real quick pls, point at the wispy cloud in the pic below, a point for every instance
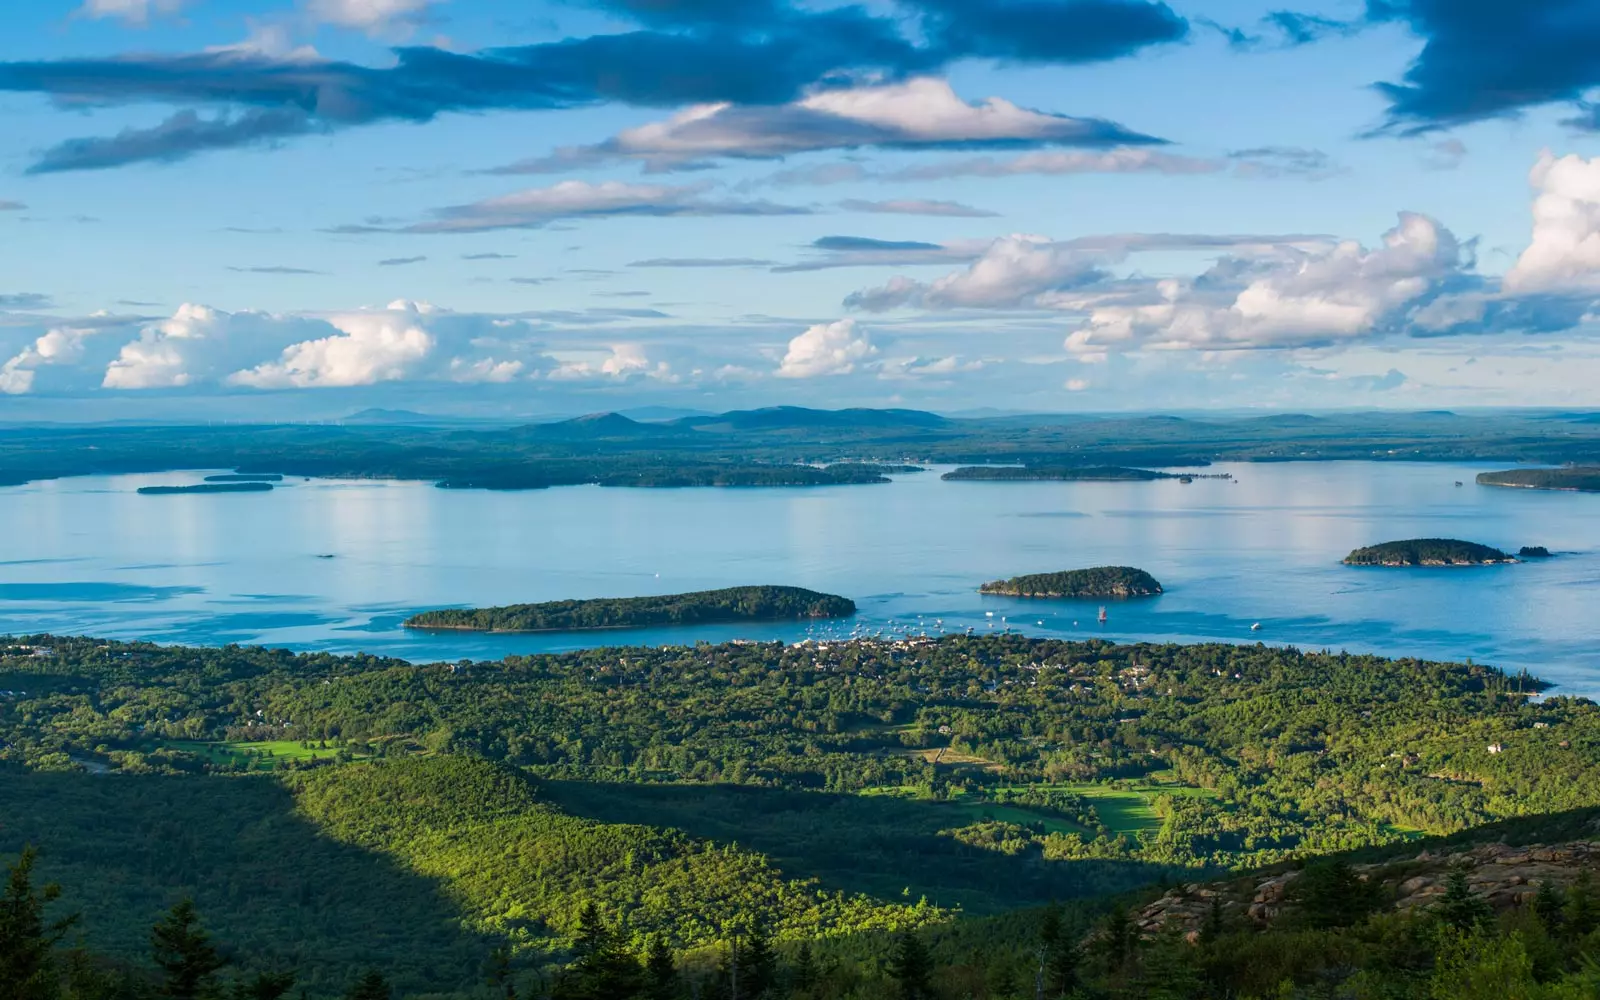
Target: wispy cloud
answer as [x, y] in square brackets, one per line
[923, 113]
[709, 262]
[400, 261]
[538, 207]
[136, 12]
[25, 300]
[916, 206]
[273, 269]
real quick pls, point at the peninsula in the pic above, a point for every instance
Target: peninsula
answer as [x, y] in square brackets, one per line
[709, 607]
[1428, 552]
[1098, 582]
[1584, 479]
[229, 487]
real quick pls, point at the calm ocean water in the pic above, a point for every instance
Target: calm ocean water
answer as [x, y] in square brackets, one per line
[90, 556]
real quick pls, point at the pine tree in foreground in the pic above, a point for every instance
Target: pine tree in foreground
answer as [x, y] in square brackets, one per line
[183, 952]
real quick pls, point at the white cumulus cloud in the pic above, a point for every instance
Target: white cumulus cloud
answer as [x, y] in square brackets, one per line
[1564, 253]
[369, 347]
[826, 349]
[61, 346]
[1344, 293]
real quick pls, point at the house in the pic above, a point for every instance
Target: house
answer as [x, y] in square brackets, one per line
[1495, 748]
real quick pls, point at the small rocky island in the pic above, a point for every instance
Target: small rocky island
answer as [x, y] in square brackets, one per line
[1098, 583]
[228, 487]
[1428, 552]
[1583, 479]
[709, 607]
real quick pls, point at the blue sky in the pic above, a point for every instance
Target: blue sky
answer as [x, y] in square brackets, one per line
[248, 208]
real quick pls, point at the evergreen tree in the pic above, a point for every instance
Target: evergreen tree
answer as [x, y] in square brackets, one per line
[371, 986]
[27, 967]
[498, 971]
[1062, 974]
[912, 968]
[1331, 894]
[1167, 972]
[183, 952]
[660, 971]
[602, 968]
[803, 974]
[592, 932]
[1549, 904]
[759, 964]
[1058, 956]
[263, 986]
[1213, 927]
[1003, 981]
[1583, 909]
[1117, 939]
[1461, 908]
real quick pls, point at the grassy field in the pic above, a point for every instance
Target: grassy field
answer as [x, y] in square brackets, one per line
[265, 755]
[1127, 808]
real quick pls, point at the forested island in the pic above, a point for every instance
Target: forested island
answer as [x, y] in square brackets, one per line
[1428, 552]
[1578, 478]
[709, 607]
[250, 486]
[856, 814]
[1054, 474]
[245, 477]
[1097, 582]
[669, 475]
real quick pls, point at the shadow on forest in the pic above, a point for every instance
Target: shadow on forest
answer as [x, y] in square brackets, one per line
[888, 847]
[273, 891]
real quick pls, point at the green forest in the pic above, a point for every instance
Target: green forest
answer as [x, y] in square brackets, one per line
[1427, 552]
[1099, 581]
[861, 810]
[1585, 479]
[732, 604]
[1045, 473]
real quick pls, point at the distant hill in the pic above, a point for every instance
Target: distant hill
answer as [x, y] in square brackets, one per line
[802, 418]
[596, 426]
[378, 415]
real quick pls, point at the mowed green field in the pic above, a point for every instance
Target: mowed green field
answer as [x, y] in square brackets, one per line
[263, 755]
[1127, 807]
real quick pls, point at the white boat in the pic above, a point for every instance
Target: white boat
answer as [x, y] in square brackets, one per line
[1256, 627]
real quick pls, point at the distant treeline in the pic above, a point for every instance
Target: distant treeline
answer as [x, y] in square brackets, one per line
[245, 486]
[779, 446]
[1037, 473]
[734, 604]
